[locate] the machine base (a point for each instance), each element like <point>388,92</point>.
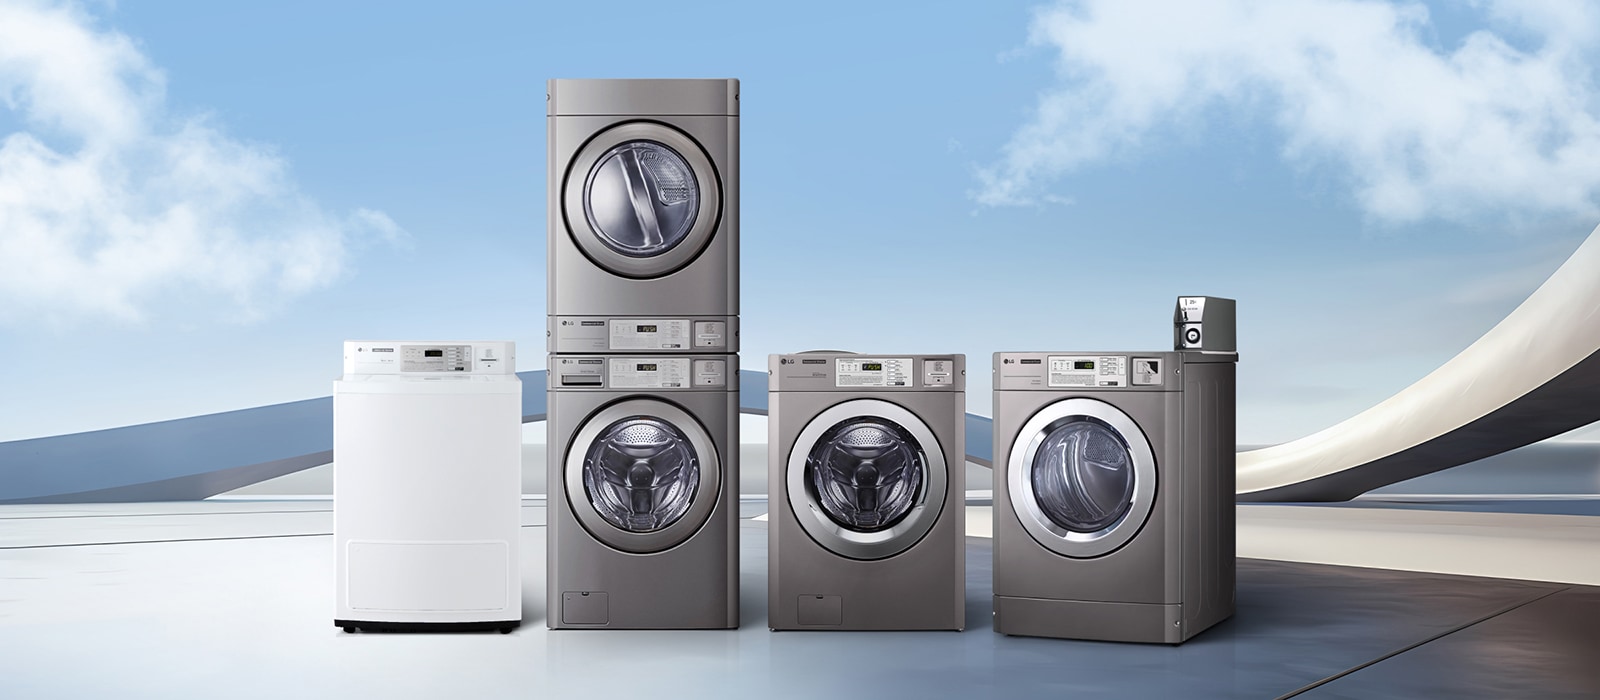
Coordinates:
<point>501,626</point>
<point>1092,620</point>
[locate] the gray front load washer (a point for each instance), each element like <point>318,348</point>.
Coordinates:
<point>1113,499</point>
<point>643,492</point>
<point>643,216</point>
<point>866,468</point>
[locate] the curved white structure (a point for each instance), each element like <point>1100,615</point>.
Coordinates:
<point>1534,375</point>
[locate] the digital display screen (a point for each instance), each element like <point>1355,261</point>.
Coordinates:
<point>645,329</point>
<point>645,367</point>
<point>1083,364</point>
<point>433,353</point>
<point>872,366</point>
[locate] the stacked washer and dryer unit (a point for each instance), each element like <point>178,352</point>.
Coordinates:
<point>643,335</point>
<point>1114,486</point>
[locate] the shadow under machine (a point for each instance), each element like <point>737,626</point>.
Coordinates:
<point>1114,490</point>
<point>867,466</point>
<point>427,491</point>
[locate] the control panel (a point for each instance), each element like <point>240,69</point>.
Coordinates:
<point>429,358</point>
<point>641,372</point>
<point>435,358</point>
<point>872,372</point>
<point>1091,371</point>
<point>1088,370</point>
<point>606,334</point>
<point>649,334</point>
<point>834,371</point>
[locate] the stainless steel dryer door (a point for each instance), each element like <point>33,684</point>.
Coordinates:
<point>642,475</point>
<point>641,199</point>
<point>1081,477</point>
<point>866,479</point>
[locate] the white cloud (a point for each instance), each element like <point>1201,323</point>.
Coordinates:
<point>1420,131</point>
<point>109,204</point>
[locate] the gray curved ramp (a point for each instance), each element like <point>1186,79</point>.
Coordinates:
<point>1534,375</point>
<point>199,457</point>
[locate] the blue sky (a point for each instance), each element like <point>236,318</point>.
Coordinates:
<point>199,202</point>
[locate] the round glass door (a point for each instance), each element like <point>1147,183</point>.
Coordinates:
<point>1081,477</point>
<point>642,199</point>
<point>642,476</point>
<point>866,479</point>
<point>866,472</point>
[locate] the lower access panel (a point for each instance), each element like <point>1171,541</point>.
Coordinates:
<point>1077,619</point>
<point>585,608</point>
<point>822,610</point>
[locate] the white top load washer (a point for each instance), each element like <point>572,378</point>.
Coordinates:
<point>427,440</point>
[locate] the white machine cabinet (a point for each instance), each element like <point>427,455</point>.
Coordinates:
<point>427,449</point>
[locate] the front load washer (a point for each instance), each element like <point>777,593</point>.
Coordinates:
<point>427,486</point>
<point>643,493</point>
<point>644,216</point>
<point>866,468</point>
<point>1113,510</point>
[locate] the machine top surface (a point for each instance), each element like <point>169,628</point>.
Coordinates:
<point>643,97</point>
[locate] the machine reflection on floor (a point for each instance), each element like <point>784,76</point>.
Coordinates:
<point>178,600</point>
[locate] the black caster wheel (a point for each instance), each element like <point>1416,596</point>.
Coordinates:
<point>505,630</point>
<point>349,630</point>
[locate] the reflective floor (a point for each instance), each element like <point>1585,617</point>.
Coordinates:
<point>235,599</point>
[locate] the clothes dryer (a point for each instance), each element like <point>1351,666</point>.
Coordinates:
<point>1114,480</point>
<point>643,216</point>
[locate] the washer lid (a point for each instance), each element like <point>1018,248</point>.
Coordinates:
<point>866,479</point>
<point>1081,477</point>
<point>642,199</point>
<point>642,475</point>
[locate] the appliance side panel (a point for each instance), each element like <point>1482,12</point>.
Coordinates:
<point>730,492</point>
<point>1209,537</point>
